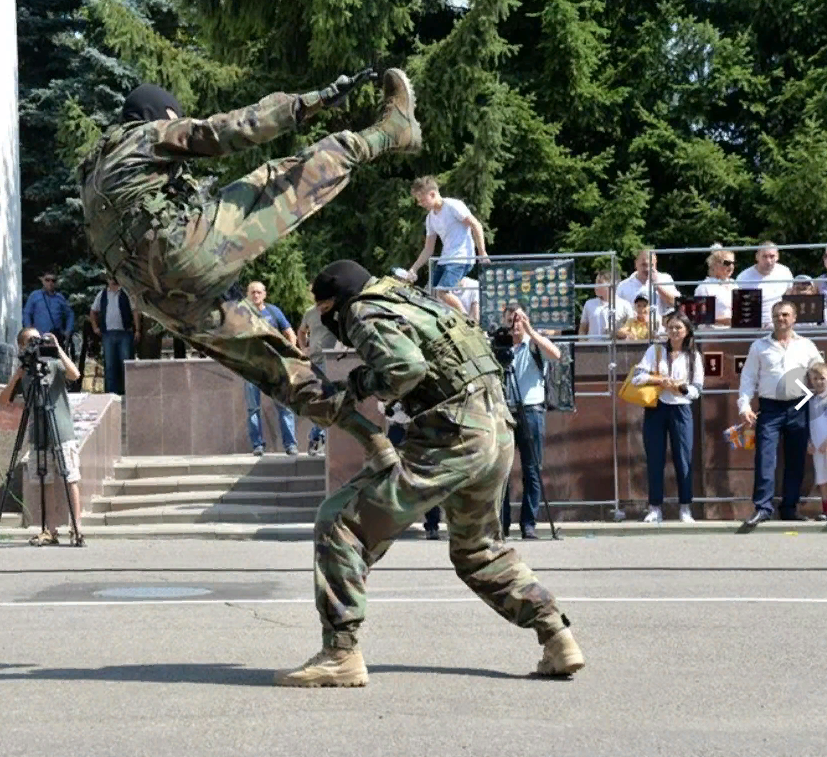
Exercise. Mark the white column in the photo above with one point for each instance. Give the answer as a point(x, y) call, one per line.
point(10, 253)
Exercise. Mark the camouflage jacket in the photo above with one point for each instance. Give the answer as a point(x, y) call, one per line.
point(133, 186)
point(415, 349)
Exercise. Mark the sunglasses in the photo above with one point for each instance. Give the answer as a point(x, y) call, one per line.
point(727, 263)
point(49, 278)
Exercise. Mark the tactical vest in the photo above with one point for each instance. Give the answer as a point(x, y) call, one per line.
point(460, 355)
point(116, 233)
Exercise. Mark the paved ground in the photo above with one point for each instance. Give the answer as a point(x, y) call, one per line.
point(696, 645)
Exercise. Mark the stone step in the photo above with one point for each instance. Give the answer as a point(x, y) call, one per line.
point(213, 483)
point(202, 513)
point(271, 464)
point(308, 501)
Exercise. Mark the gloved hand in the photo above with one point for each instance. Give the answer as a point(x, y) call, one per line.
point(333, 96)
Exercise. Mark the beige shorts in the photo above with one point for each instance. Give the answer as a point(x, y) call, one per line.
point(72, 455)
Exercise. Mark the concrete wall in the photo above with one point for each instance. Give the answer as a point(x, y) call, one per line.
point(193, 407)
point(10, 255)
point(98, 428)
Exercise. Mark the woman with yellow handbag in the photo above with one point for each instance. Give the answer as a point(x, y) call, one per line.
point(675, 371)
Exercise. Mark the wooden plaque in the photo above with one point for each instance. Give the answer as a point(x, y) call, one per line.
point(739, 363)
point(713, 364)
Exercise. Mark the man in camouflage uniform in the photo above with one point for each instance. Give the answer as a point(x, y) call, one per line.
point(457, 453)
point(177, 249)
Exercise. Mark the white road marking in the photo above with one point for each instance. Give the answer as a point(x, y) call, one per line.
point(409, 600)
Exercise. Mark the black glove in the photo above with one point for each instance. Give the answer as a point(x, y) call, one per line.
point(333, 96)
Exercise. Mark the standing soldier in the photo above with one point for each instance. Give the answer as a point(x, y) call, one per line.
point(177, 249)
point(458, 453)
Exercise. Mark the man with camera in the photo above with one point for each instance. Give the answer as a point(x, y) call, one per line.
point(525, 385)
point(43, 357)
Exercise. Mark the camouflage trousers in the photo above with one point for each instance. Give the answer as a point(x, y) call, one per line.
point(202, 257)
point(458, 456)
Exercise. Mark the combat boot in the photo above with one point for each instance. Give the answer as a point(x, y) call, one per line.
point(561, 655)
point(397, 130)
point(331, 667)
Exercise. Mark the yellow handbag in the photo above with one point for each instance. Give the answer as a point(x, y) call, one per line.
point(642, 396)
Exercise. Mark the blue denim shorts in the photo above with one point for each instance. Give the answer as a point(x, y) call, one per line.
point(448, 275)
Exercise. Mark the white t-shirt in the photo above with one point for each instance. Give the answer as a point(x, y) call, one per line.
point(721, 290)
point(770, 292)
point(114, 322)
point(629, 288)
point(596, 314)
point(679, 371)
point(457, 242)
point(468, 293)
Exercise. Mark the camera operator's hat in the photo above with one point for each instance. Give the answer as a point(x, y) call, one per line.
point(803, 278)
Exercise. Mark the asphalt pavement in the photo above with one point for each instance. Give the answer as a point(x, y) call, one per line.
point(696, 644)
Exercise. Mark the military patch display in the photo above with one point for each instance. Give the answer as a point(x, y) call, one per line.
point(544, 289)
point(810, 307)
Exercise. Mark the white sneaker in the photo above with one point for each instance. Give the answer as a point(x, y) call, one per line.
point(686, 514)
point(654, 515)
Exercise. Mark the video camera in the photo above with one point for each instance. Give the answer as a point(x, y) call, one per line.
point(502, 344)
point(33, 356)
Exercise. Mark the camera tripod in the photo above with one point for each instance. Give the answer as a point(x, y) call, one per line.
point(45, 436)
point(511, 381)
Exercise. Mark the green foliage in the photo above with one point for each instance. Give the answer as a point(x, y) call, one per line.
point(563, 124)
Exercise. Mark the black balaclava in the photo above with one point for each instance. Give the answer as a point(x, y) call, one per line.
point(149, 103)
point(339, 281)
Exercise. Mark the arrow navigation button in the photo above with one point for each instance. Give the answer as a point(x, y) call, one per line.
point(807, 394)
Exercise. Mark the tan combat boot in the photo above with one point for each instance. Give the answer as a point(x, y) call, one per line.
point(561, 655)
point(397, 130)
point(331, 667)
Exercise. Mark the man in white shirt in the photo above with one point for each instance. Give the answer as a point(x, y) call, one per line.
point(594, 322)
point(719, 284)
point(459, 232)
point(313, 339)
point(664, 290)
point(774, 366)
point(768, 275)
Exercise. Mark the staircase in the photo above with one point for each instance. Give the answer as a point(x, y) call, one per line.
point(273, 488)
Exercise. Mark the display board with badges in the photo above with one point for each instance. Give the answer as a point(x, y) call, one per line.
point(545, 289)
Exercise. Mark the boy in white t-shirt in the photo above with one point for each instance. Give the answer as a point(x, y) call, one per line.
point(595, 318)
point(817, 446)
point(459, 232)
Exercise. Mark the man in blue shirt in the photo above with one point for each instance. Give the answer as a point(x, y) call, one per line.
point(48, 311)
point(530, 433)
point(256, 293)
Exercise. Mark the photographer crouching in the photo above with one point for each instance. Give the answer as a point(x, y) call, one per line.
point(527, 356)
point(43, 360)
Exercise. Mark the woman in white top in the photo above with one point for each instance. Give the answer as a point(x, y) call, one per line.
point(719, 284)
point(676, 367)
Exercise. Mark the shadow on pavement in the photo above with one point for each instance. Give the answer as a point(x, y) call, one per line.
point(478, 672)
point(218, 673)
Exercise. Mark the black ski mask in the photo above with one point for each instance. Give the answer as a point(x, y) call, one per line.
point(339, 281)
point(149, 103)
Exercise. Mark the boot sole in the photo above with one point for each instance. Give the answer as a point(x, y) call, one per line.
point(293, 684)
point(416, 131)
point(568, 669)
